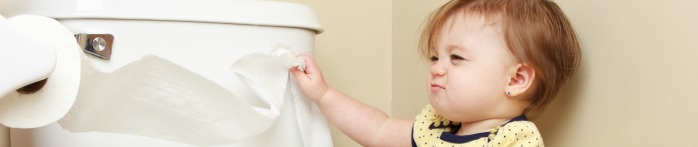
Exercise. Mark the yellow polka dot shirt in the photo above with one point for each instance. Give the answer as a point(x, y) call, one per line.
point(432, 130)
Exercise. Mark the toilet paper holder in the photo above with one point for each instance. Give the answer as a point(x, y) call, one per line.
point(98, 45)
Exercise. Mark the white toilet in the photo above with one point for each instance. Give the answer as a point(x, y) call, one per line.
point(203, 36)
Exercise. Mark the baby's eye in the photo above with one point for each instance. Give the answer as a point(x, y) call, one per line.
point(434, 58)
point(456, 57)
point(457, 60)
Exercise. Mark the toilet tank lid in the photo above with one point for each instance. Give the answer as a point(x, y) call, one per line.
point(247, 12)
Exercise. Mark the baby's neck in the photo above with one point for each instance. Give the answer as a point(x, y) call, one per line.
point(487, 125)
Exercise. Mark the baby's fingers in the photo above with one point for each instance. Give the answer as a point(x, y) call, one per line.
point(300, 75)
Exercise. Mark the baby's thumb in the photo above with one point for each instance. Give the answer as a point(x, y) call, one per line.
point(300, 75)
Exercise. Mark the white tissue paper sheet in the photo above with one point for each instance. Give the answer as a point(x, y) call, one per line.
point(157, 98)
point(54, 100)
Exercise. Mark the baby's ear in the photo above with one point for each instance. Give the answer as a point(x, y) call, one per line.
point(521, 78)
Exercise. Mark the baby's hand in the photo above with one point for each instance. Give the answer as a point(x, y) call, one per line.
point(310, 81)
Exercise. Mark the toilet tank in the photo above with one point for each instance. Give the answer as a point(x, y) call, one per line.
point(204, 36)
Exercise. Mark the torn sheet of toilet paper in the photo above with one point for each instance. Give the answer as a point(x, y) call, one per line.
point(58, 94)
point(157, 98)
point(286, 57)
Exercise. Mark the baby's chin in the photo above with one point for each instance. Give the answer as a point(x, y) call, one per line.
point(438, 106)
point(443, 109)
point(433, 100)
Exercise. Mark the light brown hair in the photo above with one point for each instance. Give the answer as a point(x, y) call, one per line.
point(536, 32)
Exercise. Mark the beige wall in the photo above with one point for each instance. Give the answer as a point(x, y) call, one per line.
point(4, 136)
point(638, 79)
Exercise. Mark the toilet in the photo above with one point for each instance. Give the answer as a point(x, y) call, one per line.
point(205, 37)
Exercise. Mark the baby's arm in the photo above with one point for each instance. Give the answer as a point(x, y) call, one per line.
point(365, 124)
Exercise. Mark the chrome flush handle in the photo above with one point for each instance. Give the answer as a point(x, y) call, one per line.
point(98, 45)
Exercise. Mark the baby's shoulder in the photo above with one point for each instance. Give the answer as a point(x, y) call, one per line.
point(518, 133)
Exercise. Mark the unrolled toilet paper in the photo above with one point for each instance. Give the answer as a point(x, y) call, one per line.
point(157, 98)
point(57, 96)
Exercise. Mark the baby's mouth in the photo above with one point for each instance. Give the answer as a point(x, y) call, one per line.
point(436, 87)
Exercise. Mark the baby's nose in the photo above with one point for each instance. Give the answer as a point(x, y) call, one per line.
point(437, 70)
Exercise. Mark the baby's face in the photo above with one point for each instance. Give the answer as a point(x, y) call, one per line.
point(468, 71)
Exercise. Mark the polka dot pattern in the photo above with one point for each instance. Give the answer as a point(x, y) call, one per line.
point(516, 133)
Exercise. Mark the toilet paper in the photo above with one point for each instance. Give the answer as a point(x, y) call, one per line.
point(286, 57)
point(25, 58)
point(57, 96)
point(157, 98)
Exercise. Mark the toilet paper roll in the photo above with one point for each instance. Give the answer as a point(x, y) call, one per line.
point(157, 98)
point(24, 58)
point(56, 97)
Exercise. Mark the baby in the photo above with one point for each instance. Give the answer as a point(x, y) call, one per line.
point(492, 63)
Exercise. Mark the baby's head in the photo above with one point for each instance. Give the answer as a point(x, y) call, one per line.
point(534, 34)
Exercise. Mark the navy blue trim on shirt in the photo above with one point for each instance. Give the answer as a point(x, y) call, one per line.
point(458, 139)
point(453, 138)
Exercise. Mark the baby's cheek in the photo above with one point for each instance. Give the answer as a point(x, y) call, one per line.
point(466, 92)
point(462, 86)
